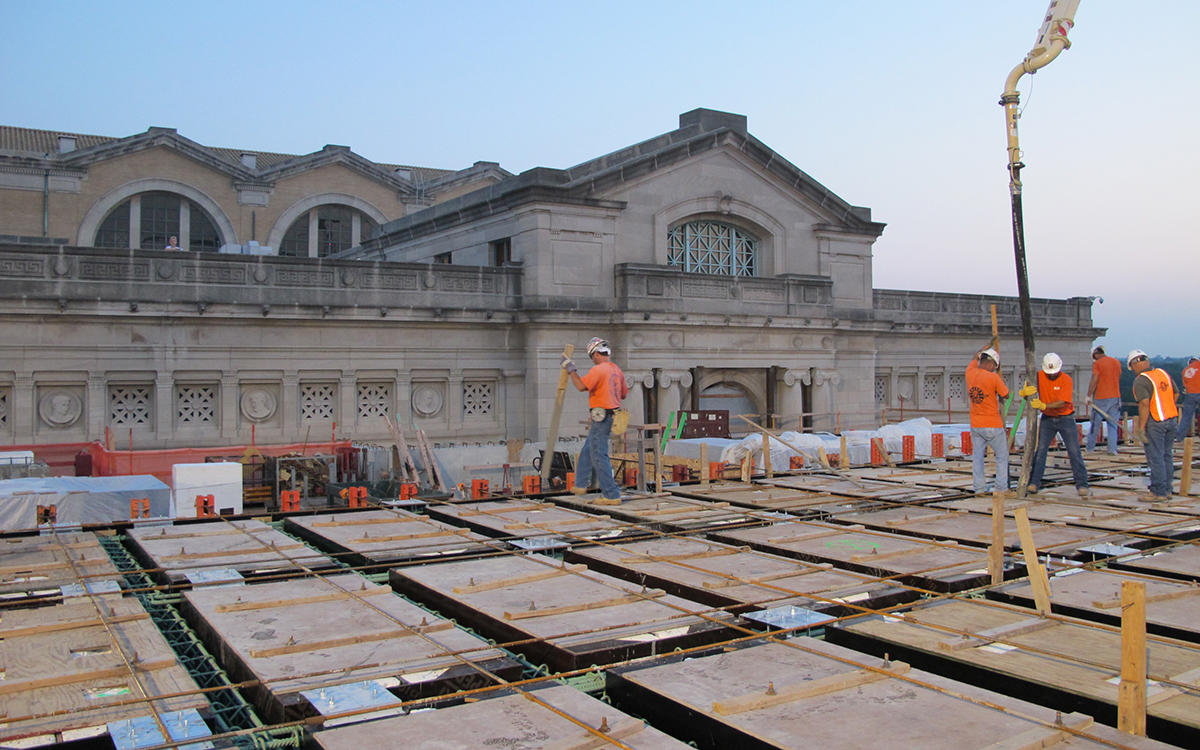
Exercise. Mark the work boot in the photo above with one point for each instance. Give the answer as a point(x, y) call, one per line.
point(1031, 489)
point(1084, 492)
point(579, 490)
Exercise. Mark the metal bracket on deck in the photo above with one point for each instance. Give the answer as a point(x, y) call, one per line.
point(94, 587)
point(353, 696)
point(540, 543)
point(214, 577)
point(790, 616)
point(143, 731)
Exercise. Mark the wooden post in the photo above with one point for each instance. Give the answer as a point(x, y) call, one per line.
point(996, 549)
point(1131, 700)
point(1185, 477)
point(766, 442)
point(746, 469)
point(1037, 574)
point(844, 456)
point(704, 478)
point(552, 435)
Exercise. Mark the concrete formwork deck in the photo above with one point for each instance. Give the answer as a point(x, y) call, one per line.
point(1086, 512)
point(805, 693)
point(38, 566)
point(551, 717)
point(1180, 561)
point(849, 484)
point(914, 561)
point(67, 670)
point(793, 501)
point(250, 547)
point(559, 614)
point(666, 512)
point(308, 633)
point(374, 538)
point(1066, 663)
point(738, 578)
point(521, 519)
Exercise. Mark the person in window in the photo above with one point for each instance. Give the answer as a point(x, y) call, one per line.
point(173, 244)
point(606, 388)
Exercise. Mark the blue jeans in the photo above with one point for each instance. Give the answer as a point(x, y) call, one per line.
point(1187, 414)
point(1160, 448)
point(1065, 428)
point(1111, 407)
point(981, 438)
point(593, 459)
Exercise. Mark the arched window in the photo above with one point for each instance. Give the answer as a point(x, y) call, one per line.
point(713, 247)
point(325, 230)
point(149, 221)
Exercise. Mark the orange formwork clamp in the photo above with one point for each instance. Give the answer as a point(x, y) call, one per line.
point(408, 490)
point(205, 505)
point(833, 458)
point(47, 514)
point(631, 476)
point(355, 497)
point(531, 484)
point(716, 469)
point(289, 501)
point(876, 454)
point(795, 462)
point(909, 447)
point(937, 445)
point(479, 489)
point(967, 448)
point(680, 473)
point(139, 507)
point(570, 480)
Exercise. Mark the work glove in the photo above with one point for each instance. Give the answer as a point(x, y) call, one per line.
point(1027, 391)
point(1087, 400)
point(568, 364)
point(1037, 404)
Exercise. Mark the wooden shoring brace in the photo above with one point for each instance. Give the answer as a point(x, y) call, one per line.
point(1131, 699)
point(401, 467)
point(844, 456)
point(1037, 574)
point(435, 474)
point(996, 548)
point(1185, 476)
point(405, 454)
point(824, 459)
point(766, 449)
point(704, 478)
point(555, 417)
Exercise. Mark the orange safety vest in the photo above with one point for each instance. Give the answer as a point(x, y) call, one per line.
point(1191, 378)
point(1162, 403)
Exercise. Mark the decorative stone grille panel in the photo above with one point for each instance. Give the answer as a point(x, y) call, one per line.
point(130, 405)
point(196, 404)
point(881, 389)
point(317, 401)
point(479, 398)
point(374, 399)
point(932, 390)
point(957, 387)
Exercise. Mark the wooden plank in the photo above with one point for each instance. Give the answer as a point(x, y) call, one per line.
point(362, 522)
point(685, 556)
point(262, 549)
point(616, 601)
point(996, 548)
point(555, 418)
point(504, 510)
point(1131, 695)
point(1044, 736)
point(806, 570)
point(407, 537)
point(58, 627)
point(500, 583)
point(298, 601)
point(998, 633)
point(20, 686)
point(821, 686)
point(869, 556)
point(1037, 574)
point(589, 741)
point(1166, 596)
point(295, 648)
point(704, 477)
point(1185, 477)
point(435, 473)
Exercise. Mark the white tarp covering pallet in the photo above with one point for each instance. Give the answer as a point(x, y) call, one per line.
point(221, 479)
point(79, 500)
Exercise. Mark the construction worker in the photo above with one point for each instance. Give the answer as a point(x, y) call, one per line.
point(1191, 398)
point(1056, 401)
point(1104, 399)
point(985, 388)
point(606, 387)
point(1157, 422)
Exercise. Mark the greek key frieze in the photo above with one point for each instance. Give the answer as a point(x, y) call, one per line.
point(213, 275)
point(458, 283)
point(99, 270)
point(297, 277)
point(23, 268)
point(399, 281)
point(699, 288)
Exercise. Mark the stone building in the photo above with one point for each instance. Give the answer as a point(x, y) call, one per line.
point(723, 275)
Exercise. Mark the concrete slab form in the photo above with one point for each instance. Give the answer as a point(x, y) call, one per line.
point(850, 485)
point(557, 614)
point(70, 668)
point(1095, 594)
point(803, 692)
point(738, 578)
point(1180, 561)
point(370, 540)
point(923, 563)
point(1066, 663)
point(524, 519)
point(667, 512)
point(302, 634)
point(38, 566)
point(252, 548)
point(550, 717)
point(760, 496)
point(1153, 524)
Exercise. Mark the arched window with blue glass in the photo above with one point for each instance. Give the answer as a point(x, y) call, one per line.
point(713, 247)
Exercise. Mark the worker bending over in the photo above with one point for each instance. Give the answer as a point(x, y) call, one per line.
point(1157, 421)
point(985, 388)
point(606, 387)
point(1055, 400)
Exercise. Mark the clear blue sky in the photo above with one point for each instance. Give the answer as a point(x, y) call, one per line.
point(890, 103)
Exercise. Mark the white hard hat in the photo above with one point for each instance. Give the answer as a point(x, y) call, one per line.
point(991, 354)
point(598, 345)
point(1134, 354)
point(1051, 363)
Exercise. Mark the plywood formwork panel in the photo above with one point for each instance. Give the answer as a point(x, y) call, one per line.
point(1180, 561)
point(925, 563)
point(1172, 607)
point(310, 633)
point(521, 519)
point(668, 512)
point(40, 565)
point(798, 502)
point(975, 529)
point(849, 484)
point(374, 538)
point(564, 615)
point(83, 663)
point(1065, 662)
point(806, 693)
point(248, 546)
point(1089, 513)
point(535, 719)
point(739, 578)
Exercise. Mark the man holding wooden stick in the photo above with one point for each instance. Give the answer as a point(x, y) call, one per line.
point(606, 388)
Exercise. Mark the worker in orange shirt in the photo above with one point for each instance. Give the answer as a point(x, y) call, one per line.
point(1104, 399)
point(985, 388)
point(1157, 422)
point(606, 388)
point(1056, 401)
point(1191, 398)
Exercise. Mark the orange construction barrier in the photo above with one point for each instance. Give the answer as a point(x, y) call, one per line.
point(205, 505)
point(795, 462)
point(289, 501)
point(909, 447)
point(531, 484)
point(833, 458)
point(679, 473)
point(408, 490)
point(139, 507)
point(479, 489)
point(876, 454)
point(631, 476)
point(716, 469)
point(570, 480)
point(355, 497)
point(937, 445)
point(967, 448)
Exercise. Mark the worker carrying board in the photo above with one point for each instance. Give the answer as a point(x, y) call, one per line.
point(606, 388)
